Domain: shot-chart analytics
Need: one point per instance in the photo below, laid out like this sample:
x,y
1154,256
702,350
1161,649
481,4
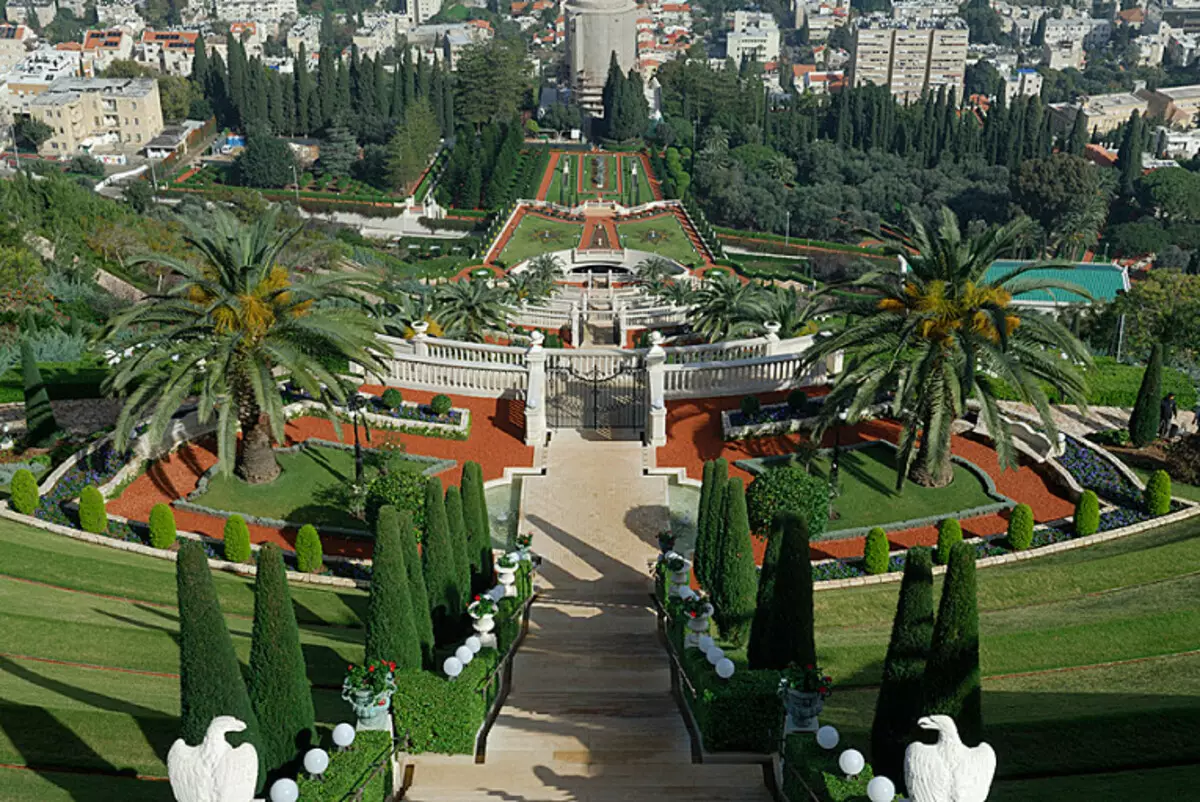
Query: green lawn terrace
x,y
597,176
662,234
535,233
213,176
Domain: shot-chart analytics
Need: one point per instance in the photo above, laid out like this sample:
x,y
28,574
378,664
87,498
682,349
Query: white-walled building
x,y
754,37
596,29
169,52
15,41
1025,82
43,10
910,59
36,73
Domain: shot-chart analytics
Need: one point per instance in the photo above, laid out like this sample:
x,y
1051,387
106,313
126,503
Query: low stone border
x,y
765,429
451,431
1003,502
1018,556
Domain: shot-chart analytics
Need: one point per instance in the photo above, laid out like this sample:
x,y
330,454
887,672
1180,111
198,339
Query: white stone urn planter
x,y
679,571
484,622
508,574
698,626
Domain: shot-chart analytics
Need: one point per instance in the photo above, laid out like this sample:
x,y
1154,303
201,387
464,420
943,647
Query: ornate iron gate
x,y
593,398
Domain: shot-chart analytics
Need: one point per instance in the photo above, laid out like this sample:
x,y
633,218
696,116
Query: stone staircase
x,y
590,717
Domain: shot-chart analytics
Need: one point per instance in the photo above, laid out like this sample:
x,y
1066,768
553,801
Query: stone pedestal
x,y
656,368
535,393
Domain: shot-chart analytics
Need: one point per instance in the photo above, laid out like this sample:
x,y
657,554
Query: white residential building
x,y
914,10
379,31
122,14
907,58
270,14
1173,144
44,10
169,52
36,72
14,43
102,48
1025,82
755,37
306,31
1088,31
1184,48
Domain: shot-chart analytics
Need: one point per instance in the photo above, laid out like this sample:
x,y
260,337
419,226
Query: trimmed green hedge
x,y
351,770
795,242
1087,514
162,526
875,551
1112,384
1020,527
442,715
63,380
949,533
1158,493
24,492
809,769
92,515
788,487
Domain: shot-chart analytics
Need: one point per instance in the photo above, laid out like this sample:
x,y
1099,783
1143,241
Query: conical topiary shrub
x,y
758,651
952,679
279,690
706,554
41,428
1157,494
391,626
702,516
949,533
422,620
1143,422
237,540
1020,527
437,559
458,540
790,639
162,526
479,528
875,552
1087,514
309,552
737,585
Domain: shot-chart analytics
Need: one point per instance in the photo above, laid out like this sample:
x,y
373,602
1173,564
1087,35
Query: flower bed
x,y
1094,472
772,419
410,417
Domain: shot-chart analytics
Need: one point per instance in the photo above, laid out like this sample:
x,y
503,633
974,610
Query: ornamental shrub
x,y
952,680
162,526
392,398
875,552
237,540
416,580
41,428
278,683
403,490
479,528
458,541
788,487
437,560
1158,493
1143,423
706,538
440,404
737,582
797,401
949,533
1020,527
758,650
900,694
1087,514
24,490
210,677
309,553
391,618
751,407
92,515
789,639
706,486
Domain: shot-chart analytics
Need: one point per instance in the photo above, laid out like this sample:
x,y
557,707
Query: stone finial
x,y
420,329
536,338
772,330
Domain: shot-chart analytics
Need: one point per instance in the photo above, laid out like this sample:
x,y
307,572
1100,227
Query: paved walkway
x,y
590,716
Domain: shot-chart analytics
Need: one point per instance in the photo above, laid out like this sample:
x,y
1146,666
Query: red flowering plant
x,y
695,606
376,676
808,679
482,606
525,541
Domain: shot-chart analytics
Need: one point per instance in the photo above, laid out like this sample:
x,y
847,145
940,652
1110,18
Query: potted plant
x,y
524,544
666,541
677,566
697,611
803,691
369,688
483,611
506,569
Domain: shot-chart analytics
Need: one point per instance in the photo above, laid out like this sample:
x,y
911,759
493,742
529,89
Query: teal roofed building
x,y
1102,282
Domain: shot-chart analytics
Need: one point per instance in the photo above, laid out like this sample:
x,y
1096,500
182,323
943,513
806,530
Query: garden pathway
x,y
590,716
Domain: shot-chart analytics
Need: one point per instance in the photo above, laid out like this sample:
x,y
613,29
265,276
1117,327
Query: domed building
x,y
595,30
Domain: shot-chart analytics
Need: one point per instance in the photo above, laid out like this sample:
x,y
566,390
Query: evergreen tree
x,y
758,651
1144,422
1078,138
706,539
789,639
614,86
898,705
278,683
458,539
266,162
734,596
412,145
472,186
479,530
706,488
200,62
437,560
210,678
41,427
952,680
238,87
422,620
303,89
1129,155
391,612
339,151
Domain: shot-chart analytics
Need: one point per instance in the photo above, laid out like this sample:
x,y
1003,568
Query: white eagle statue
x,y
214,771
948,771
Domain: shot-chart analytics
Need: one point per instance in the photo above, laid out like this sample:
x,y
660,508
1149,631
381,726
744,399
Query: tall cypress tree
x,y
422,621
1129,155
437,559
1144,422
41,427
458,539
707,537
952,679
391,611
899,703
736,585
790,640
706,485
200,62
278,683
210,678
479,529
1078,138
758,652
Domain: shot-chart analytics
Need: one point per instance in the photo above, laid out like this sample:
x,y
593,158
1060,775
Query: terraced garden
x,y
536,234
662,235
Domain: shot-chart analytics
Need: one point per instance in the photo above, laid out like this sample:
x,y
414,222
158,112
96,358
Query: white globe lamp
x,y
881,789
474,644
705,643
285,790
715,655
725,668
464,654
343,735
851,762
316,761
453,667
828,737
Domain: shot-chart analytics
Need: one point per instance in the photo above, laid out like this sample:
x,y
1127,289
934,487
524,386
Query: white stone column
x,y
772,336
576,325
420,338
621,322
656,369
535,393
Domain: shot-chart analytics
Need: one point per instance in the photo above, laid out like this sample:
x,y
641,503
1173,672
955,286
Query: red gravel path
x,y
694,435
496,442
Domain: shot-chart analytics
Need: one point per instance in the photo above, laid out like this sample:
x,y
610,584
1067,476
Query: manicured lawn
x,y
1119,787
662,235
536,235
613,163
61,701
21,785
867,478
1179,489
308,491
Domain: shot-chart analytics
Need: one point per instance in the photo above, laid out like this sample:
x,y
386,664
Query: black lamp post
x,y
355,404
835,463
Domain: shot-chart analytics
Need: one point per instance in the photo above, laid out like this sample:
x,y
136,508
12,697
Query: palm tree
x,y
545,268
404,304
654,270
524,286
782,305
677,293
935,336
724,307
228,332
468,310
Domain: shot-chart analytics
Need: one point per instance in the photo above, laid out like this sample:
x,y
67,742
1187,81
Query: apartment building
x,y
169,52
910,58
305,31
1025,82
1101,113
121,14
44,11
379,31
1087,31
36,73
109,114
421,10
754,37
267,13
1177,106
915,10
102,48
13,39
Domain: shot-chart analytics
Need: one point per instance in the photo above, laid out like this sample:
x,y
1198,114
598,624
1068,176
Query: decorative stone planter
x,y
508,580
696,627
372,709
484,625
802,707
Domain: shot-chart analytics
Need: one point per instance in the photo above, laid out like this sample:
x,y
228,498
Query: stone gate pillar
x,y
656,370
535,392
